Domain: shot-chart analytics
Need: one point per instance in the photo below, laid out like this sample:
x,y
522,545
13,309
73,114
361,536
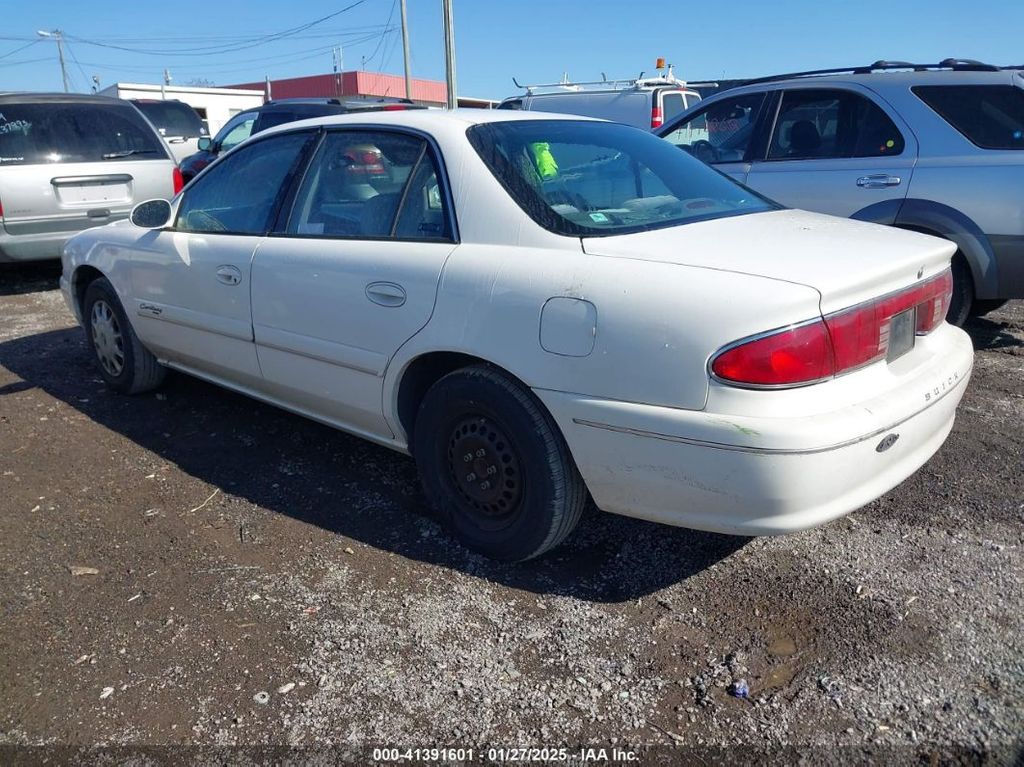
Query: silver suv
x,y
934,148
69,162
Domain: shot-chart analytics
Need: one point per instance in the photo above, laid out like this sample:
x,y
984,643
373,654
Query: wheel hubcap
x,y
484,467
107,339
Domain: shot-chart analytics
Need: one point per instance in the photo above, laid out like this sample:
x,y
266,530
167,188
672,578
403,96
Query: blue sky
x,y
532,40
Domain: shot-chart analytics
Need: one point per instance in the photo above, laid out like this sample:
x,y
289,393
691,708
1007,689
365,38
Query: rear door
x,y
721,133
191,282
838,151
67,166
353,274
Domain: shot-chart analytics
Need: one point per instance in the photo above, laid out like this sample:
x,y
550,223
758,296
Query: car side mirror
x,y
151,214
205,142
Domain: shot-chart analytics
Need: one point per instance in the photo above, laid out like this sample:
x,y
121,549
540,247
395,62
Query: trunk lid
x,y
846,261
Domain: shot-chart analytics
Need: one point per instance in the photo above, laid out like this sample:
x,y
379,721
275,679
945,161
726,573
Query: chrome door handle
x,y
229,275
386,293
878,181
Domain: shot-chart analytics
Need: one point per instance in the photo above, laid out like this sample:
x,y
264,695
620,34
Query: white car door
x,y
838,151
352,274
190,282
721,133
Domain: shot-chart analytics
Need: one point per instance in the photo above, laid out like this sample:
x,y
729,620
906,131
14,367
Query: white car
x,y
541,309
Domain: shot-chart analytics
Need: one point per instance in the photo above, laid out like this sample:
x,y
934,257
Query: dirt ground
x,y
261,579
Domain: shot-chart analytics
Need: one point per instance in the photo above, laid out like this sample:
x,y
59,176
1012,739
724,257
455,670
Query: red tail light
x,y
657,117
835,344
177,180
394,108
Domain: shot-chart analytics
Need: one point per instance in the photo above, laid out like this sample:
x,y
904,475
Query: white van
x,y
643,103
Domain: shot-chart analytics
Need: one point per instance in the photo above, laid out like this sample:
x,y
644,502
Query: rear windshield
x,y
991,116
38,133
587,179
172,118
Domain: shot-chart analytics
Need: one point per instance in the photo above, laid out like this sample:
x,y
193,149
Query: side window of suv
x,y
825,124
722,131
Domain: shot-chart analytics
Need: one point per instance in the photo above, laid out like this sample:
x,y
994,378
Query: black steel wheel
x,y
495,465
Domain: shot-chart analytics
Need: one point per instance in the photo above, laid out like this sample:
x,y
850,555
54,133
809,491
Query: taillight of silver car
x,y
826,347
177,180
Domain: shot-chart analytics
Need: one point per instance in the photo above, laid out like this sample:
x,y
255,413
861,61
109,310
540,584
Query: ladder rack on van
x,y
638,83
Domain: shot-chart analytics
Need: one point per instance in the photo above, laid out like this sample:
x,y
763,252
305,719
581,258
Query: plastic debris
x,y
107,692
78,570
262,697
739,689
286,688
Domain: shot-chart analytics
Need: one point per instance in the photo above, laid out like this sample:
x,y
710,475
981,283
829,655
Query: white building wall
x,y
218,104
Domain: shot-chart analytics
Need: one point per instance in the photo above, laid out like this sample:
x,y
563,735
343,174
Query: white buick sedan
x,y
541,309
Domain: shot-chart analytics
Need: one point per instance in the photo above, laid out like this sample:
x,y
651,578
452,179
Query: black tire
x,y
985,305
963,292
482,413
123,362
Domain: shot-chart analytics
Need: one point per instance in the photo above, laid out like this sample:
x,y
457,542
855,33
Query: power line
x,y
16,50
227,48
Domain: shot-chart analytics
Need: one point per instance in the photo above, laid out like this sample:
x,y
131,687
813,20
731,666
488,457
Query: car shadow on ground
x,y
30,277
992,334
293,466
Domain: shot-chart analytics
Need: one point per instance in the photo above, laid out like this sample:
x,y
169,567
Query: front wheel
x,y
494,464
124,363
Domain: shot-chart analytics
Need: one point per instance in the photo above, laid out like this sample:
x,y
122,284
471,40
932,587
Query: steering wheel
x,y
704,151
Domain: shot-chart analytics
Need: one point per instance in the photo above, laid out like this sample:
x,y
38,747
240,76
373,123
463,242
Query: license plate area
x,y
902,328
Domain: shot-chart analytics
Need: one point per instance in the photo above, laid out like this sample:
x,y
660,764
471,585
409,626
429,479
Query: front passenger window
x,y
238,195
722,131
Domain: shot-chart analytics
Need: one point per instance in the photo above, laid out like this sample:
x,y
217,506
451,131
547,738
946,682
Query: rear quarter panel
x,y
657,324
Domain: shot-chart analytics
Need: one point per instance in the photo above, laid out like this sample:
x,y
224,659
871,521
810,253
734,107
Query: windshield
x,y
172,118
590,178
48,132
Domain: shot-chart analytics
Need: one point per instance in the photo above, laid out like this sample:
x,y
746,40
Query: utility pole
x,y
57,35
405,52
449,53
166,82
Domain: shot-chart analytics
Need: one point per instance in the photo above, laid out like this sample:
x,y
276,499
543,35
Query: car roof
x,y
27,97
426,119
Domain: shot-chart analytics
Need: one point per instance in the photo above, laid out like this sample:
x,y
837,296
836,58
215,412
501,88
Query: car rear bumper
x,y
762,475
32,247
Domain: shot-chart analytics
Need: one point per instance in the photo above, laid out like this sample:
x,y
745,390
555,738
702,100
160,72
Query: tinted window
x,y
991,116
239,193
819,124
721,132
172,118
358,181
592,178
61,132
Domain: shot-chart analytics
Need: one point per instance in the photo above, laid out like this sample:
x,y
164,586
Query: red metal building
x,y
354,84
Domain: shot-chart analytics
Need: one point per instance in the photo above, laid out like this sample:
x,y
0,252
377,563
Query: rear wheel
x,y
963,292
123,362
494,464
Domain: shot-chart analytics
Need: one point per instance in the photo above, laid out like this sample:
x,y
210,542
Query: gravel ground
x,y
261,579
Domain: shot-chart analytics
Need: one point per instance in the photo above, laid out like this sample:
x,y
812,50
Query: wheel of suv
x,y
494,464
124,363
963,292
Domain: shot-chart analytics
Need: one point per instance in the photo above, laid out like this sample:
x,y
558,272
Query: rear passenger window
x,y
365,184
672,105
990,116
824,124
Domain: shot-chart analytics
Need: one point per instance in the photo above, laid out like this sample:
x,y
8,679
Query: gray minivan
x,y
69,162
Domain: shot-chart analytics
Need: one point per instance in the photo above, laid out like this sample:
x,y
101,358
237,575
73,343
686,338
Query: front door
x,y
836,151
191,282
352,275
